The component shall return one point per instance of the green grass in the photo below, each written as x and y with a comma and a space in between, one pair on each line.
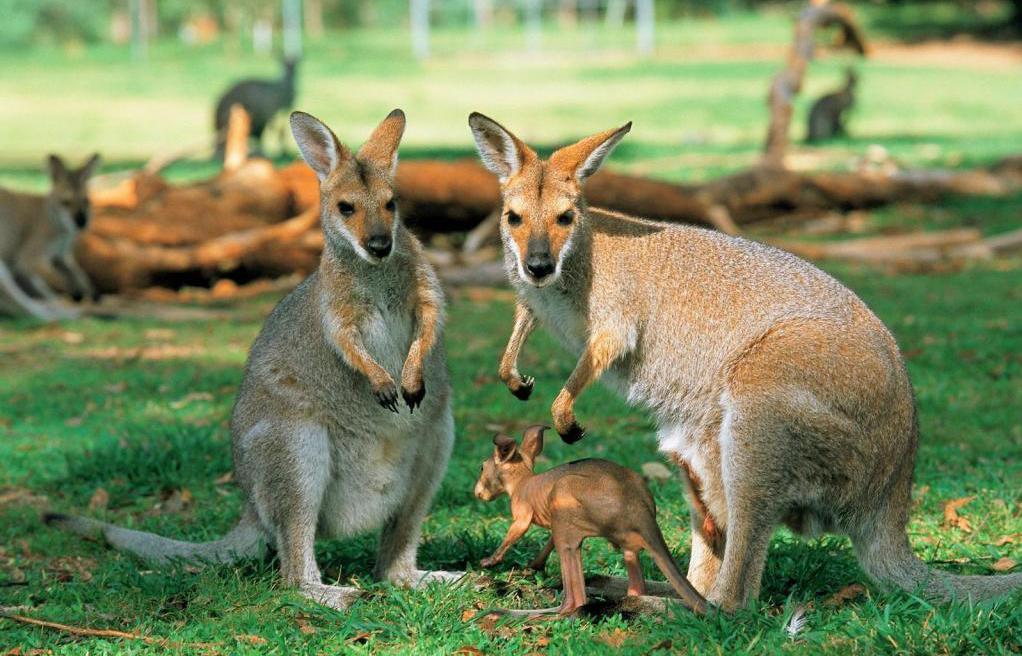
140, 409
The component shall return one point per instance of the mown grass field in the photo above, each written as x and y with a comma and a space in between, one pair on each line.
130, 416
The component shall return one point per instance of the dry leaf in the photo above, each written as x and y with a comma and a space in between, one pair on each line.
100, 499
251, 639
177, 501
1004, 565
615, 638
468, 649
845, 594
656, 471
1005, 539
225, 478
304, 626
468, 614
951, 516
360, 638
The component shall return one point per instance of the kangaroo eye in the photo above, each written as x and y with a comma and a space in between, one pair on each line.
346, 209
513, 218
391, 205
566, 218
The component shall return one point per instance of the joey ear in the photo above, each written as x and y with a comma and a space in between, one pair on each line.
89, 168
318, 144
585, 157
58, 170
380, 149
532, 441
505, 448
502, 153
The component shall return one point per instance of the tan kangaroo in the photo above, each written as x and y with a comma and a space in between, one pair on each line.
37, 238
321, 446
578, 500
782, 395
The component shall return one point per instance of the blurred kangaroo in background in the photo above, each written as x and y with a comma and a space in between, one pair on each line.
321, 444
262, 100
827, 115
781, 395
37, 239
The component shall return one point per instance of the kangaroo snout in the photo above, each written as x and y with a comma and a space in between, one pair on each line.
538, 262
379, 245
81, 218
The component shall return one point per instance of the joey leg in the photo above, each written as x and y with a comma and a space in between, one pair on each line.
636, 582
572, 575
539, 562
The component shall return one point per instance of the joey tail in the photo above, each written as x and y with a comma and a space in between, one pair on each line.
657, 548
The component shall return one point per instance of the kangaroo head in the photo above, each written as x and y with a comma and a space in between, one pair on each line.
69, 191
509, 464
358, 207
543, 202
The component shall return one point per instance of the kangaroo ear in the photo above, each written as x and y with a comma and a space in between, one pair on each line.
88, 168
381, 147
504, 448
502, 152
532, 441
319, 145
585, 157
58, 170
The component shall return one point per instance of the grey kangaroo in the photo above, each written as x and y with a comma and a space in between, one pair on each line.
37, 239
343, 422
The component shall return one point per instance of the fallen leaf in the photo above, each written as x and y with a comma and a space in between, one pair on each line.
360, 638
951, 516
656, 471
845, 594
251, 639
224, 479
468, 614
468, 649
176, 501
304, 626
1005, 539
1004, 565
615, 638
99, 500
72, 338
188, 398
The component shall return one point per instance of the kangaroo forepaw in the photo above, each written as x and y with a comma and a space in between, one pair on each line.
573, 434
413, 398
387, 396
522, 387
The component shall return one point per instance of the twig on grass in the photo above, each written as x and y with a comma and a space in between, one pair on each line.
86, 632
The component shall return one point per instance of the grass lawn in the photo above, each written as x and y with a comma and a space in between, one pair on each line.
130, 416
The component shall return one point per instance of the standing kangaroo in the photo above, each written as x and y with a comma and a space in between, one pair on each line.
262, 100
321, 446
578, 500
827, 115
37, 239
783, 397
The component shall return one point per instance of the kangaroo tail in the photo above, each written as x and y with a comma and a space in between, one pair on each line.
887, 557
245, 540
657, 548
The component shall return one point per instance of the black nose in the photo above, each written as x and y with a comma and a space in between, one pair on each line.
539, 266
379, 245
81, 218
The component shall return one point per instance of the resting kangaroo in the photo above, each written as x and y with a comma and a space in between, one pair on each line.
578, 500
321, 445
37, 239
783, 397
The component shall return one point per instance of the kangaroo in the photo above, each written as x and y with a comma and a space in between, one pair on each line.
262, 100
578, 500
827, 115
321, 445
37, 238
783, 397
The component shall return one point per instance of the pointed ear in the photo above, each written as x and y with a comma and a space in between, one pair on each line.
88, 168
381, 147
504, 448
502, 152
318, 144
58, 170
585, 157
532, 441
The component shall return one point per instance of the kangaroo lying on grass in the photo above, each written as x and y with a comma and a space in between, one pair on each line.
37, 239
781, 394
321, 446
578, 500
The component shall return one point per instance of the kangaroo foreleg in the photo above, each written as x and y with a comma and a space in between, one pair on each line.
525, 323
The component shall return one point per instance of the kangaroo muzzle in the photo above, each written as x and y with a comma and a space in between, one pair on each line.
539, 263
379, 245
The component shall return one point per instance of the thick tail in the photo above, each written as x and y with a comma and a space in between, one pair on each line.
245, 540
657, 548
889, 558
